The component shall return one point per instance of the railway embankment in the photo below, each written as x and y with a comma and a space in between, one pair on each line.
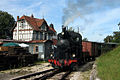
108, 65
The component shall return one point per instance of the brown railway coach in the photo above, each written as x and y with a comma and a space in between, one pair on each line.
91, 49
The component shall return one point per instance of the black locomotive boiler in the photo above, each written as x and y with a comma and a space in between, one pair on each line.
68, 50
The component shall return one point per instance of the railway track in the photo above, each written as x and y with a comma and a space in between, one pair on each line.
51, 74
32, 75
65, 75
60, 76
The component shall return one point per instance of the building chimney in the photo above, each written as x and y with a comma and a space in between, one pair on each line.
52, 26
17, 18
32, 16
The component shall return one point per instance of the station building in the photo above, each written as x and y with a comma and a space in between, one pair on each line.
36, 33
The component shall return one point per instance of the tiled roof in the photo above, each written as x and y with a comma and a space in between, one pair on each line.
33, 41
6, 40
40, 41
37, 41
52, 29
36, 23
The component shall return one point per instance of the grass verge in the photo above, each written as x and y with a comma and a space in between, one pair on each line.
108, 65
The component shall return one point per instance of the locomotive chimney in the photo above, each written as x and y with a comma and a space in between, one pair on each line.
63, 28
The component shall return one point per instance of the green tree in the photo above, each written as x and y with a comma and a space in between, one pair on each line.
108, 39
6, 23
116, 37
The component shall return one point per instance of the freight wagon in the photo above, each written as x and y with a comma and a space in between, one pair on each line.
91, 49
94, 49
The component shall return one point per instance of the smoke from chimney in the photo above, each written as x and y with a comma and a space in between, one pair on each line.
80, 8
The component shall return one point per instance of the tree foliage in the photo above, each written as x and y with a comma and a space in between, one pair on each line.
115, 38
6, 23
109, 38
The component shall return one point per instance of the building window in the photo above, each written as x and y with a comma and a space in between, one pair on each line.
43, 27
23, 24
49, 37
36, 48
41, 36
36, 35
45, 38
41, 48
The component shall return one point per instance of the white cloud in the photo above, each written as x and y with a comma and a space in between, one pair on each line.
19, 7
103, 23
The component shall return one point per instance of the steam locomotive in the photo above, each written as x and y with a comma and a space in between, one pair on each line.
71, 51
68, 50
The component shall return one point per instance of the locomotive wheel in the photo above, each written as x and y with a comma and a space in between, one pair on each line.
56, 67
93, 58
53, 65
73, 66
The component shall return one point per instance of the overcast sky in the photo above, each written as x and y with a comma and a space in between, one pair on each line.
95, 18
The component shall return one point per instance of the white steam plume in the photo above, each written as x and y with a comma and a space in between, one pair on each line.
80, 8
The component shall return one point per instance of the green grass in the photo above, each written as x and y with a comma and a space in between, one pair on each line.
108, 65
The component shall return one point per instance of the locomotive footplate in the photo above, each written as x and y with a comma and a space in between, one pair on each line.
61, 62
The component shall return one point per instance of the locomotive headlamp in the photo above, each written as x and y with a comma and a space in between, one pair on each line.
51, 55
73, 55
62, 33
77, 39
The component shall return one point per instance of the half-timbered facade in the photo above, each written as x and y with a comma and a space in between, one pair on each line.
37, 33
30, 28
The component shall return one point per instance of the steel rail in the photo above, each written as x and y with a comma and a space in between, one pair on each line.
46, 76
65, 75
32, 74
